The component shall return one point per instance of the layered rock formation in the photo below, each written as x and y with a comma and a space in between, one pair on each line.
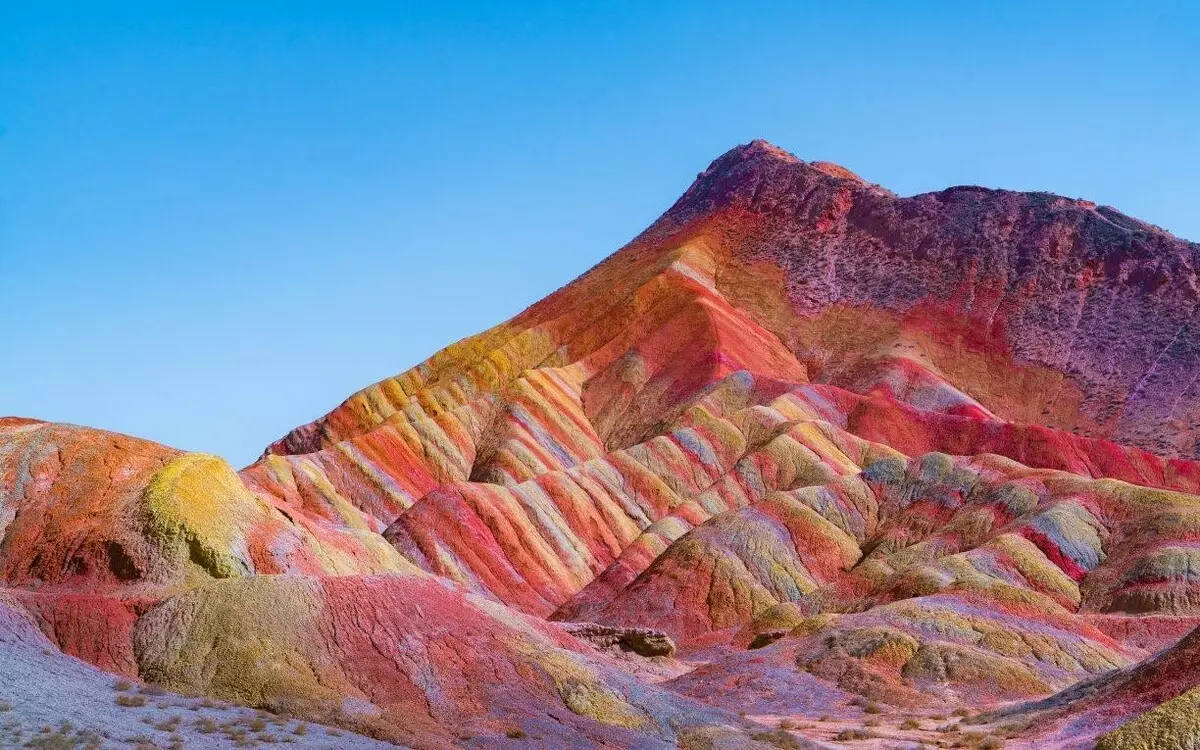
805, 459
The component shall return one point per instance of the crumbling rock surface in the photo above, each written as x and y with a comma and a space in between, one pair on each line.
641, 641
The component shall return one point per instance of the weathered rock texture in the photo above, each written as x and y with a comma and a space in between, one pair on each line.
641, 641
822, 450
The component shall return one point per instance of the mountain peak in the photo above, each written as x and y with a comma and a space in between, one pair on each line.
764, 177
760, 154
760, 147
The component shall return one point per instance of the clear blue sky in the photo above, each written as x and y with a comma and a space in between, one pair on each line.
217, 223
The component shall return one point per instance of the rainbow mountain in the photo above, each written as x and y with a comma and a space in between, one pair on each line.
805, 464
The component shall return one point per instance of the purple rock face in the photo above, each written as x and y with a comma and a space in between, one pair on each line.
1104, 300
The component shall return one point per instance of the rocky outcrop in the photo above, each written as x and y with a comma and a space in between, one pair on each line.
641, 641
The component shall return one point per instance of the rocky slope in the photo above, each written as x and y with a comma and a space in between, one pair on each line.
804, 461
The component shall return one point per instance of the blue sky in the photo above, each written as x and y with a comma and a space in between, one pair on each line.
217, 222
